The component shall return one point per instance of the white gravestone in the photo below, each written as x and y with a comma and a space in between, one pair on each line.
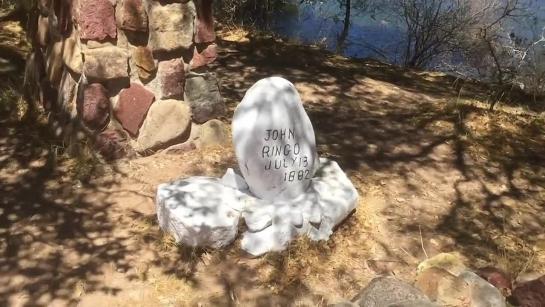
274, 140
292, 191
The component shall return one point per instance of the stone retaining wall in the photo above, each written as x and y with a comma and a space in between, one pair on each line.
132, 75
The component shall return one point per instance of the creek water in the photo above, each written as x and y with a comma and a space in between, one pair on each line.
379, 35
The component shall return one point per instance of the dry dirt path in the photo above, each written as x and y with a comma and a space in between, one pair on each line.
435, 171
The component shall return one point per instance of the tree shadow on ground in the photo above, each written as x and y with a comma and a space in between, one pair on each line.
56, 233
379, 122
382, 122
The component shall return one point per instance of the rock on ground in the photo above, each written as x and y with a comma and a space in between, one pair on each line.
213, 132
498, 278
531, 293
443, 287
389, 291
483, 294
467, 289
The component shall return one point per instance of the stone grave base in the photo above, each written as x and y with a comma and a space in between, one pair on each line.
205, 211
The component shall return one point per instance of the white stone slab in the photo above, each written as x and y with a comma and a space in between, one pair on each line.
329, 200
274, 140
202, 211
197, 211
257, 221
234, 180
337, 195
271, 239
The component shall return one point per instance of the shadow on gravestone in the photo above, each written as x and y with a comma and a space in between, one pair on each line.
274, 140
283, 189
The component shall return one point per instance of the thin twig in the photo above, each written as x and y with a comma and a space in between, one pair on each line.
406, 252
422, 242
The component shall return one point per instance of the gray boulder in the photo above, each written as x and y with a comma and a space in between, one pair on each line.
389, 291
483, 294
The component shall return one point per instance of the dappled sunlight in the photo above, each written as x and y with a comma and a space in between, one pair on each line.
435, 172
55, 235
442, 170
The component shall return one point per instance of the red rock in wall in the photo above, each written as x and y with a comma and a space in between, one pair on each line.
132, 107
94, 110
172, 79
96, 20
116, 45
203, 56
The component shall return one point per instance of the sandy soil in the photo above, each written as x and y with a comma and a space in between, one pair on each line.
436, 172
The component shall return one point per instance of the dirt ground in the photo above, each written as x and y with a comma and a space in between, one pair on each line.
436, 172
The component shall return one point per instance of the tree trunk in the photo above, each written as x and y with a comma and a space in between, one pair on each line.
341, 40
18, 14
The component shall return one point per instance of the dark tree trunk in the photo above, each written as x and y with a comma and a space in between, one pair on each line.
18, 14
341, 40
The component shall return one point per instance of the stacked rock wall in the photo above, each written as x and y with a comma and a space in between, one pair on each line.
131, 74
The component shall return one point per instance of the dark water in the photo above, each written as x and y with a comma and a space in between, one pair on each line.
322, 24
378, 36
